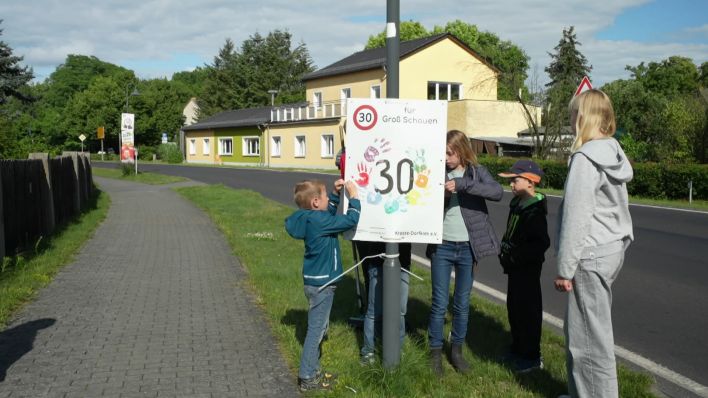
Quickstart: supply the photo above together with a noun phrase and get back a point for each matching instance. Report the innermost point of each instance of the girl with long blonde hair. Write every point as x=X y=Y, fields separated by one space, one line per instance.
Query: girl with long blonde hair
x=595 y=229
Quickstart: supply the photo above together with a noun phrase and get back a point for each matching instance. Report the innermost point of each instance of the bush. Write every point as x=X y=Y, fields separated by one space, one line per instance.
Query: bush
x=127 y=169
x=651 y=180
x=647 y=181
x=170 y=153
x=146 y=152
x=675 y=178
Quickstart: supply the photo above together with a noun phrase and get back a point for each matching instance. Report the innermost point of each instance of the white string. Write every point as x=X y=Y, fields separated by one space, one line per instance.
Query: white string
x=380 y=255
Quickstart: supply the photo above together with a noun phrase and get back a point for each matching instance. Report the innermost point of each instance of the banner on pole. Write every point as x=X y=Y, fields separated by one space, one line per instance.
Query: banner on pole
x=396 y=156
x=127 y=151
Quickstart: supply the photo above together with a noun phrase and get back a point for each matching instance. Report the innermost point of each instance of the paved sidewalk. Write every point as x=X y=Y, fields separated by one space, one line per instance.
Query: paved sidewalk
x=154 y=305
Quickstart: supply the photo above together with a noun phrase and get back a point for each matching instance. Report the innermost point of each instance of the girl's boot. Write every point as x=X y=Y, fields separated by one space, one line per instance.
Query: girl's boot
x=457 y=360
x=436 y=361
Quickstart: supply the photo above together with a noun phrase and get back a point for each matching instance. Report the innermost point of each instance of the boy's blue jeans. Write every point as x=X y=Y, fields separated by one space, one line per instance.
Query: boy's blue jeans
x=317 y=323
x=449 y=256
x=372 y=320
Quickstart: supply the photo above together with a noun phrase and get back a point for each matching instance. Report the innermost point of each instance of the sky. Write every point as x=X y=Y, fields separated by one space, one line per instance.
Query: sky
x=156 y=38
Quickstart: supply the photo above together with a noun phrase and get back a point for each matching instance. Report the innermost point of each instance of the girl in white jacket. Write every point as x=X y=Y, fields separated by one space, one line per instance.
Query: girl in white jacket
x=595 y=230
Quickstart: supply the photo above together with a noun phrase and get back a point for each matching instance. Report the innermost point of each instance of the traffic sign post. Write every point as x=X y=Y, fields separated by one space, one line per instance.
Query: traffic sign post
x=584 y=86
x=82 y=138
x=392 y=267
x=100 y=134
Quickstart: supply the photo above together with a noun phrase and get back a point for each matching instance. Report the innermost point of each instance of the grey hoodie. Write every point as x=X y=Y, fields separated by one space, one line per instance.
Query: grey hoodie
x=595 y=210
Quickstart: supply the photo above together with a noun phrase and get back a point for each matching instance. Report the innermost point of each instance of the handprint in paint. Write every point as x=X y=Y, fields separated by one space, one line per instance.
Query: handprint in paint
x=422 y=180
x=398 y=204
x=374 y=198
x=379 y=146
x=364 y=172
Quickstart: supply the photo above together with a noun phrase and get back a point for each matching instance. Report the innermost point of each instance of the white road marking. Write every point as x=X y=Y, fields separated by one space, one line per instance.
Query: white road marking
x=629 y=356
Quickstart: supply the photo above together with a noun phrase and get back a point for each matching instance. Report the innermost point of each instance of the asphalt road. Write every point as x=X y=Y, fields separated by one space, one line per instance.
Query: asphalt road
x=660 y=306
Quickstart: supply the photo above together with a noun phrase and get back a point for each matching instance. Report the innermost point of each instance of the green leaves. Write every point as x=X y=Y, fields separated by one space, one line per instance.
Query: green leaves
x=509 y=58
x=237 y=80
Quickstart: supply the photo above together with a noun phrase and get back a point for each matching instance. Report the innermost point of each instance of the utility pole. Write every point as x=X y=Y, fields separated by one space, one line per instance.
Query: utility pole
x=392 y=266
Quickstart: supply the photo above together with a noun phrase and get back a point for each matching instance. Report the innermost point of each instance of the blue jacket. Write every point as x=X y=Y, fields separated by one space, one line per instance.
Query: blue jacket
x=319 y=230
x=473 y=188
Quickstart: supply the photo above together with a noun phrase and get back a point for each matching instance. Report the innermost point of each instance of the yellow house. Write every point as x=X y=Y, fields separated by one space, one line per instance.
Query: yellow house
x=308 y=135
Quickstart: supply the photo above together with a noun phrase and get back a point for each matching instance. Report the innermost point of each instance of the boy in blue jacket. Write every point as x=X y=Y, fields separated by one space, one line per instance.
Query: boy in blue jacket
x=317 y=223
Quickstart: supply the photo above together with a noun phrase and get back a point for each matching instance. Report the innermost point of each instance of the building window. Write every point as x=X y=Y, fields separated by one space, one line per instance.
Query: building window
x=346 y=93
x=300 y=146
x=251 y=146
x=192 y=146
x=206 y=148
x=226 y=146
x=375 y=91
x=275 y=146
x=444 y=91
x=327 y=146
x=317 y=99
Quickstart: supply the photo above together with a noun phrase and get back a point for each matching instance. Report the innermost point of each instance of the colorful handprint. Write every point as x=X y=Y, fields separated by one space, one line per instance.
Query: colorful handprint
x=412 y=197
x=374 y=198
x=379 y=146
x=422 y=179
x=364 y=172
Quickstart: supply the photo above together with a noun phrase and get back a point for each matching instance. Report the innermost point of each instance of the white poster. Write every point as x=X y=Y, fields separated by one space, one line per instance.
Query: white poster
x=127 y=123
x=396 y=155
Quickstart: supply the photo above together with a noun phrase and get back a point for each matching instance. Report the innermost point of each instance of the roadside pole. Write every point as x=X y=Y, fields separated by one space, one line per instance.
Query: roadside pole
x=392 y=266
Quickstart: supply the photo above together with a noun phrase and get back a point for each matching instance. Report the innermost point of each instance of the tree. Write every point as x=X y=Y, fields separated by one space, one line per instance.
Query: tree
x=509 y=58
x=12 y=76
x=409 y=30
x=673 y=76
x=219 y=92
x=271 y=62
x=242 y=79
x=158 y=110
x=567 y=68
x=703 y=78
x=75 y=75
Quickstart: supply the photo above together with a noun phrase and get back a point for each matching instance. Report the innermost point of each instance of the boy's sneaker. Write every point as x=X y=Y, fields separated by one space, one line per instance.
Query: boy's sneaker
x=316 y=383
x=527 y=365
x=367 y=359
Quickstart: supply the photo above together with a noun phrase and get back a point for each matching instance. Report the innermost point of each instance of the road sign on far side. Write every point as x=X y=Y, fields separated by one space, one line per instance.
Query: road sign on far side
x=82 y=137
x=584 y=86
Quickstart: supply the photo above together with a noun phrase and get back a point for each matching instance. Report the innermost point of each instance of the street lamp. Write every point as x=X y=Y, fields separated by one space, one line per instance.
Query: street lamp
x=135 y=93
x=272 y=96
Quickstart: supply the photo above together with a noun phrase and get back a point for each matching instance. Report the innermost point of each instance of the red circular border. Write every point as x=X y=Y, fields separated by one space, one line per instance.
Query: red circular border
x=373 y=123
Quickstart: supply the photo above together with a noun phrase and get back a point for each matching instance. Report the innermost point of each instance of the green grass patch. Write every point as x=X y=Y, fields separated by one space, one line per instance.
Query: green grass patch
x=142 y=176
x=23 y=275
x=254 y=228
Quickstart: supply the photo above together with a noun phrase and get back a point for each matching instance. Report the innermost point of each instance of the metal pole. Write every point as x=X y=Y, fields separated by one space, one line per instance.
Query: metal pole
x=391 y=266
x=690 y=192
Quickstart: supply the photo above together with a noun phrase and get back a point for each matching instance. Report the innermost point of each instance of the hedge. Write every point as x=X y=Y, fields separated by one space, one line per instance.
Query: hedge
x=651 y=180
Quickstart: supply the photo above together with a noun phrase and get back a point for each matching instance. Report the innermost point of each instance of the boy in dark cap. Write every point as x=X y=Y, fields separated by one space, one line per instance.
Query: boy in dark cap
x=522 y=254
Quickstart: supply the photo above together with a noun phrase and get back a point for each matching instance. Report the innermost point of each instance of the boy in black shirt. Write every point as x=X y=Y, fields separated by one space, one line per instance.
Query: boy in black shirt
x=522 y=254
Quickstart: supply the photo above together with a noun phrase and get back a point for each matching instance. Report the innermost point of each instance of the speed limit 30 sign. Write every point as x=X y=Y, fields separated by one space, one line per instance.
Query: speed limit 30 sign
x=365 y=117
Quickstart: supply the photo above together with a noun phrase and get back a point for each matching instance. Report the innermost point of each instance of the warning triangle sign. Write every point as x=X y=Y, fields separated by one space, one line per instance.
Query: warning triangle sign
x=584 y=86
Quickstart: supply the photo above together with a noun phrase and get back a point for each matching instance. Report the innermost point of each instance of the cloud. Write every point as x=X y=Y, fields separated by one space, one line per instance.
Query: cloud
x=147 y=35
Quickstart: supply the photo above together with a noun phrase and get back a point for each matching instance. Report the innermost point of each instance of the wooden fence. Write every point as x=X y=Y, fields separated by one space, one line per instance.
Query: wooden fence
x=39 y=195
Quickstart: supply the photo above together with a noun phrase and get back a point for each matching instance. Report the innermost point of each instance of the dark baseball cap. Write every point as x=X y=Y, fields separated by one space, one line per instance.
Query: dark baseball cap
x=526 y=169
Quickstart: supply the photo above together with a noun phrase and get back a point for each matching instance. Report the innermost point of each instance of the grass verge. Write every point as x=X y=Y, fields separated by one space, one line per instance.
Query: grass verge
x=253 y=226
x=143 y=177
x=23 y=275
